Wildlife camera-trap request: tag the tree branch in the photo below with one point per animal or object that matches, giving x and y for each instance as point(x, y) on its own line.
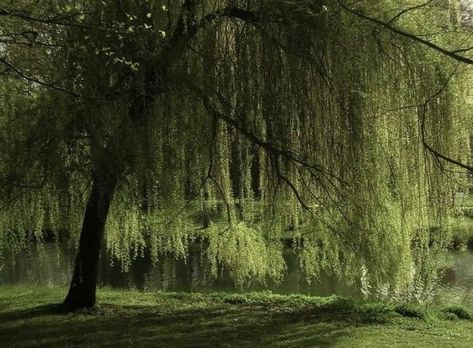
point(412, 8)
point(415, 38)
point(438, 155)
point(35, 80)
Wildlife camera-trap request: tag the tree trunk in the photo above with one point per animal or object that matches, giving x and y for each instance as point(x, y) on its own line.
point(84, 280)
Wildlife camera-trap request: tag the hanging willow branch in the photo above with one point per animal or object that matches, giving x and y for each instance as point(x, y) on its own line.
point(423, 117)
point(449, 53)
point(10, 66)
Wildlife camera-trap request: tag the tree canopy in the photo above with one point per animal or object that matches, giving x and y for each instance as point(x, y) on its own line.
point(343, 126)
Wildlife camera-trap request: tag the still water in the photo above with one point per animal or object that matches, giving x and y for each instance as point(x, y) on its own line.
point(52, 264)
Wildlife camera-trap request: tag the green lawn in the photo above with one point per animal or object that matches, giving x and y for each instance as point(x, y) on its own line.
point(30, 318)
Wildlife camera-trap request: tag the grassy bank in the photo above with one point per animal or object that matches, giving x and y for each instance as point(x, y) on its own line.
point(30, 318)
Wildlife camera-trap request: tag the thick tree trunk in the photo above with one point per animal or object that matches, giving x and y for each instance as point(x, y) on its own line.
point(84, 280)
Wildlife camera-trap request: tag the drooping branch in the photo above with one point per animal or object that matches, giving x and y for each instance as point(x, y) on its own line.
point(449, 53)
point(316, 172)
point(53, 86)
point(410, 9)
point(231, 12)
point(267, 146)
point(438, 155)
point(69, 20)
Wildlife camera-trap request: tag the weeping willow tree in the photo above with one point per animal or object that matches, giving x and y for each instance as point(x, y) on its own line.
point(241, 124)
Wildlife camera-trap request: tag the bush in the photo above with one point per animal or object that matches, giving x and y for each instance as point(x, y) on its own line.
point(375, 312)
point(460, 312)
point(410, 311)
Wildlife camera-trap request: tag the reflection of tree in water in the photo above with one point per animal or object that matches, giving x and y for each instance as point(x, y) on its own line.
point(47, 264)
point(140, 268)
point(457, 279)
point(52, 265)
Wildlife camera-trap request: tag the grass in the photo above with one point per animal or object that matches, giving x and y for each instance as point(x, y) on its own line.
point(29, 317)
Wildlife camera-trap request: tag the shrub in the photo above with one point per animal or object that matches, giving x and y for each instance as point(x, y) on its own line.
point(410, 311)
point(460, 312)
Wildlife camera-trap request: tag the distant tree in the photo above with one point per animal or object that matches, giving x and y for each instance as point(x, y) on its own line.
point(325, 122)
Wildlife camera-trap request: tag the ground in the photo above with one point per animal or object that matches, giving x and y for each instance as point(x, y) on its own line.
point(30, 317)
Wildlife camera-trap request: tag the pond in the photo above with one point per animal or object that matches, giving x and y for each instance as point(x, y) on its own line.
point(51, 265)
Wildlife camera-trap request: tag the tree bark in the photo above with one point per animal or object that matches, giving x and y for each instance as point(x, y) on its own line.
point(84, 280)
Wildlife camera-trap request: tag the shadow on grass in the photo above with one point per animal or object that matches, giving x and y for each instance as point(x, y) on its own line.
point(30, 313)
point(221, 325)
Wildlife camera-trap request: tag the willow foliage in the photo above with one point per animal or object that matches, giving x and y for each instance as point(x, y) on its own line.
point(300, 123)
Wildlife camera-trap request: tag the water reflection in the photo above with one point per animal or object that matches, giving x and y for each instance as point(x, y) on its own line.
point(51, 264)
point(457, 279)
